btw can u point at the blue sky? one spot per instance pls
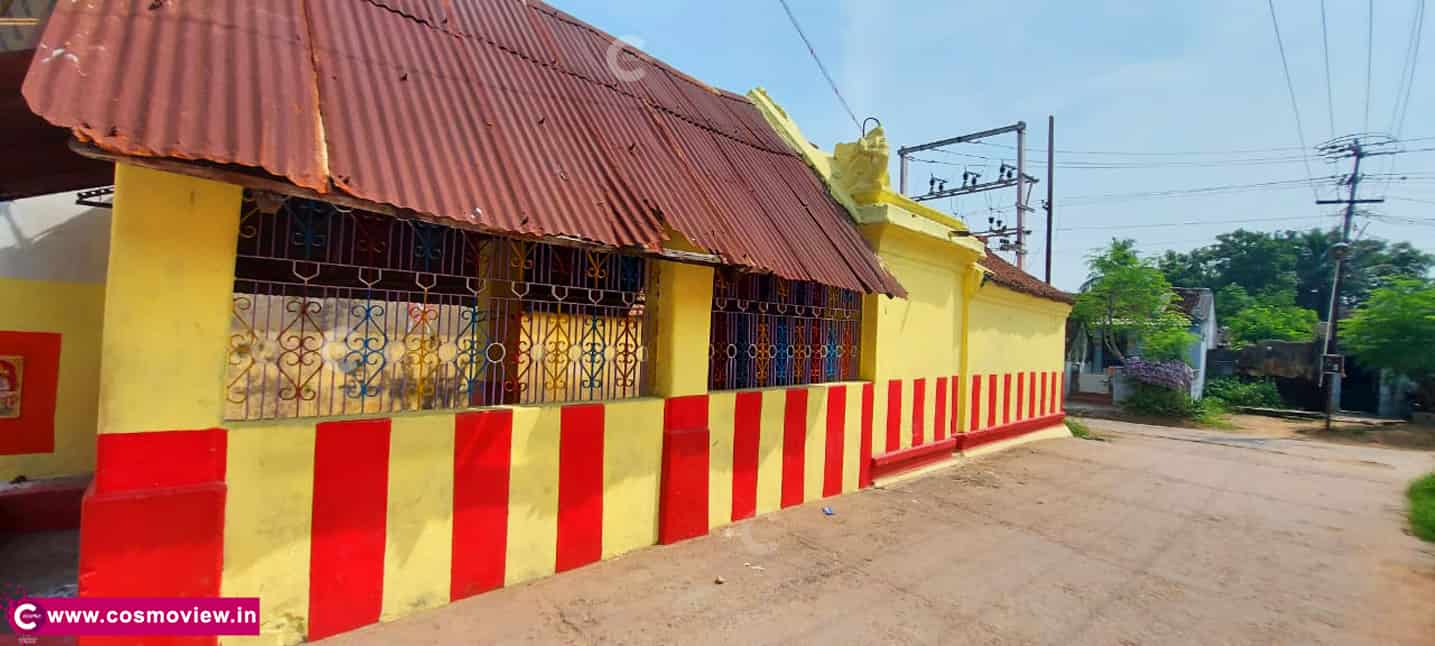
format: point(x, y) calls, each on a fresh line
point(1127, 77)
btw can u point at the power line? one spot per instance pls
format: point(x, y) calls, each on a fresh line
point(1407, 71)
point(1369, 58)
point(1290, 86)
point(1325, 49)
point(820, 66)
point(1163, 153)
point(1139, 153)
point(1216, 163)
point(1187, 223)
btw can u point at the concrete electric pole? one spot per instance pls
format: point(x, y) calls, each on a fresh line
point(1331, 362)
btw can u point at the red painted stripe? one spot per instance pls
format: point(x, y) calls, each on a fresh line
point(919, 413)
point(482, 450)
point(746, 439)
point(346, 557)
point(1031, 395)
point(683, 494)
point(1058, 404)
point(836, 424)
point(1043, 392)
point(864, 454)
point(1020, 395)
point(976, 412)
point(956, 417)
point(939, 424)
point(894, 414)
point(794, 446)
point(991, 400)
point(580, 487)
point(139, 461)
point(1006, 398)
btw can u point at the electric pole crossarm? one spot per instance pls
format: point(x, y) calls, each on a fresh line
point(1363, 201)
point(907, 150)
point(975, 188)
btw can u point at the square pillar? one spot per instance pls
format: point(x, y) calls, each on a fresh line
point(683, 320)
point(167, 301)
point(153, 520)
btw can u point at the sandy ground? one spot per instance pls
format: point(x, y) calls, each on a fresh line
point(1345, 430)
point(1154, 536)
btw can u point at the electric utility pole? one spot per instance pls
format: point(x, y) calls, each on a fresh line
point(1331, 363)
point(1008, 176)
point(1050, 175)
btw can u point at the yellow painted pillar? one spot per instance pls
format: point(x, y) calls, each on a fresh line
point(167, 302)
point(683, 318)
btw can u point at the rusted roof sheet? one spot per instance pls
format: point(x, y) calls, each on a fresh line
point(227, 82)
point(503, 115)
point(1009, 276)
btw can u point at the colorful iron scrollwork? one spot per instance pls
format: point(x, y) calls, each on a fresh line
point(340, 312)
point(767, 331)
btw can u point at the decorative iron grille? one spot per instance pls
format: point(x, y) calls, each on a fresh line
point(767, 331)
point(341, 312)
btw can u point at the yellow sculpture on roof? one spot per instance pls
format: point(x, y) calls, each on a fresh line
point(855, 172)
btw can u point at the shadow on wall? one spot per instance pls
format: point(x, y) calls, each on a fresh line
point(49, 238)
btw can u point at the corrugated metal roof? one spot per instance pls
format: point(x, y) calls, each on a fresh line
point(505, 115)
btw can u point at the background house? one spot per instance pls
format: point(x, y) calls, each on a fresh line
point(1091, 367)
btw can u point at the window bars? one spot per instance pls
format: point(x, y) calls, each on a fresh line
point(767, 331)
point(345, 312)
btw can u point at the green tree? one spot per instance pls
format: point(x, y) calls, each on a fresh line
point(1269, 317)
point(1395, 330)
point(1128, 298)
point(1296, 261)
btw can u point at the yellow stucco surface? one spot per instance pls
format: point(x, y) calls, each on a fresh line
point(267, 514)
point(683, 314)
point(167, 304)
point(533, 494)
point(632, 468)
point(852, 440)
point(419, 534)
point(75, 311)
point(1011, 332)
point(815, 445)
point(769, 450)
point(721, 430)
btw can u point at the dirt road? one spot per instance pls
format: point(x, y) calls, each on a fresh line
point(1156, 536)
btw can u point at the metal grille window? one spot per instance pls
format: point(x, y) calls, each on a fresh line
point(343, 312)
point(767, 331)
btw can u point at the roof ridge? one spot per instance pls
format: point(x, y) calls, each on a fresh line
point(571, 71)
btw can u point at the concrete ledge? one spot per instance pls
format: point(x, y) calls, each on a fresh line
point(42, 505)
point(973, 439)
point(907, 459)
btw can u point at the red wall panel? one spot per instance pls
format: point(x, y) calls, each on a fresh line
point(482, 450)
point(580, 487)
point(346, 559)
